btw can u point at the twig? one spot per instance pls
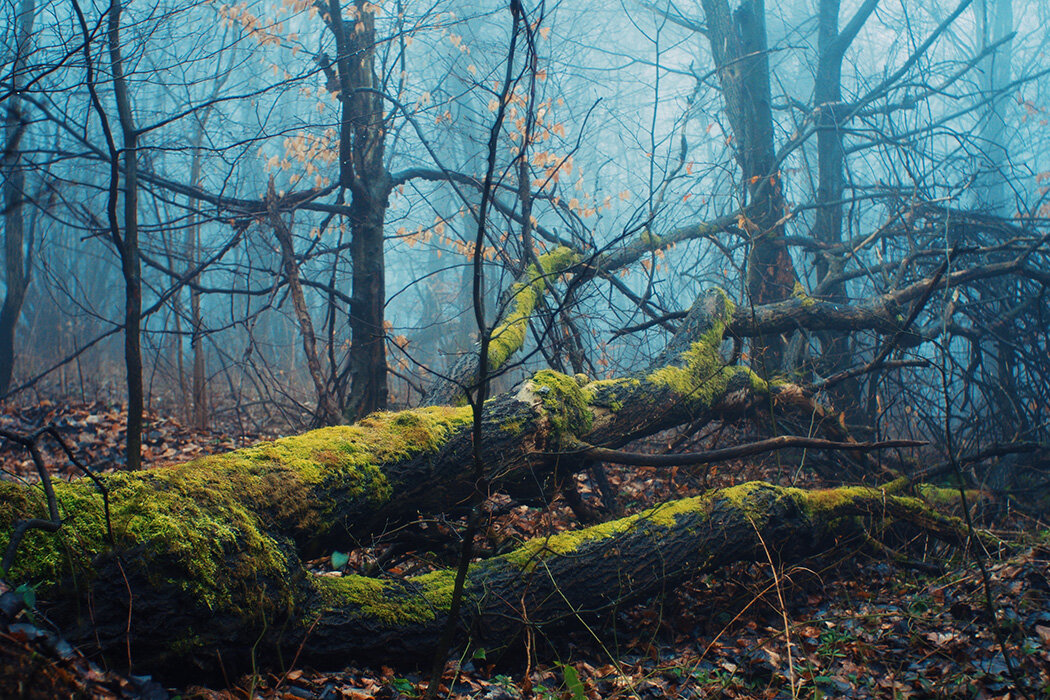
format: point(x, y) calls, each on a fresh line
point(54, 521)
point(780, 442)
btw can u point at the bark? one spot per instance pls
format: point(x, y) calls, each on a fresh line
point(16, 274)
point(362, 140)
point(127, 240)
point(738, 44)
point(143, 601)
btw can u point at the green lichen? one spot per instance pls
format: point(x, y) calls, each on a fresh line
point(566, 403)
point(508, 337)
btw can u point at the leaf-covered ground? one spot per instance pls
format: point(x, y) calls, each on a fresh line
point(858, 623)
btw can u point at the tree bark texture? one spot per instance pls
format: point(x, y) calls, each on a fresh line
point(252, 595)
point(16, 275)
point(362, 138)
point(739, 47)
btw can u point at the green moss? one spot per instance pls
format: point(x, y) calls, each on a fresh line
point(666, 514)
point(825, 502)
point(747, 497)
point(567, 404)
point(650, 240)
point(436, 587)
point(532, 552)
point(946, 496)
point(558, 260)
point(611, 393)
point(188, 643)
point(508, 337)
point(414, 600)
point(799, 292)
point(199, 534)
point(204, 526)
point(701, 374)
point(512, 426)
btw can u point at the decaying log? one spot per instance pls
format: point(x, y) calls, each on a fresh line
point(206, 558)
point(214, 588)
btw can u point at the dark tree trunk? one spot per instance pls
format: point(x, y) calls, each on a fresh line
point(16, 274)
point(831, 116)
point(738, 44)
point(362, 170)
point(128, 244)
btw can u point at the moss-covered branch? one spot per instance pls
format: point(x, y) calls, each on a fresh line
point(337, 485)
point(508, 335)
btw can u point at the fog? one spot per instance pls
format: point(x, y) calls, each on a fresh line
point(806, 150)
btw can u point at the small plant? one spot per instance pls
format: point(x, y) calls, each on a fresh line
point(404, 686)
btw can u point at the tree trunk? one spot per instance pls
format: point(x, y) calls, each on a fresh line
point(995, 23)
point(16, 276)
point(738, 44)
point(362, 139)
point(831, 157)
point(128, 244)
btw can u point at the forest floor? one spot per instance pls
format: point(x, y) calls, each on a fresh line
point(856, 623)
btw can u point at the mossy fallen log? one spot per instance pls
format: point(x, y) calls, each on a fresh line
point(346, 483)
point(190, 587)
point(207, 555)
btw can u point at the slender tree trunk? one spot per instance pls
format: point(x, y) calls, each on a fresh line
point(16, 277)
point(326, 411)
point(995, 21)
point(129, 249)
point(831, 157)
point(361, 170)
point(199, 388)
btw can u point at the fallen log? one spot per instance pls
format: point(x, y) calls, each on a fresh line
point(200, 565)
point(212, 590)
